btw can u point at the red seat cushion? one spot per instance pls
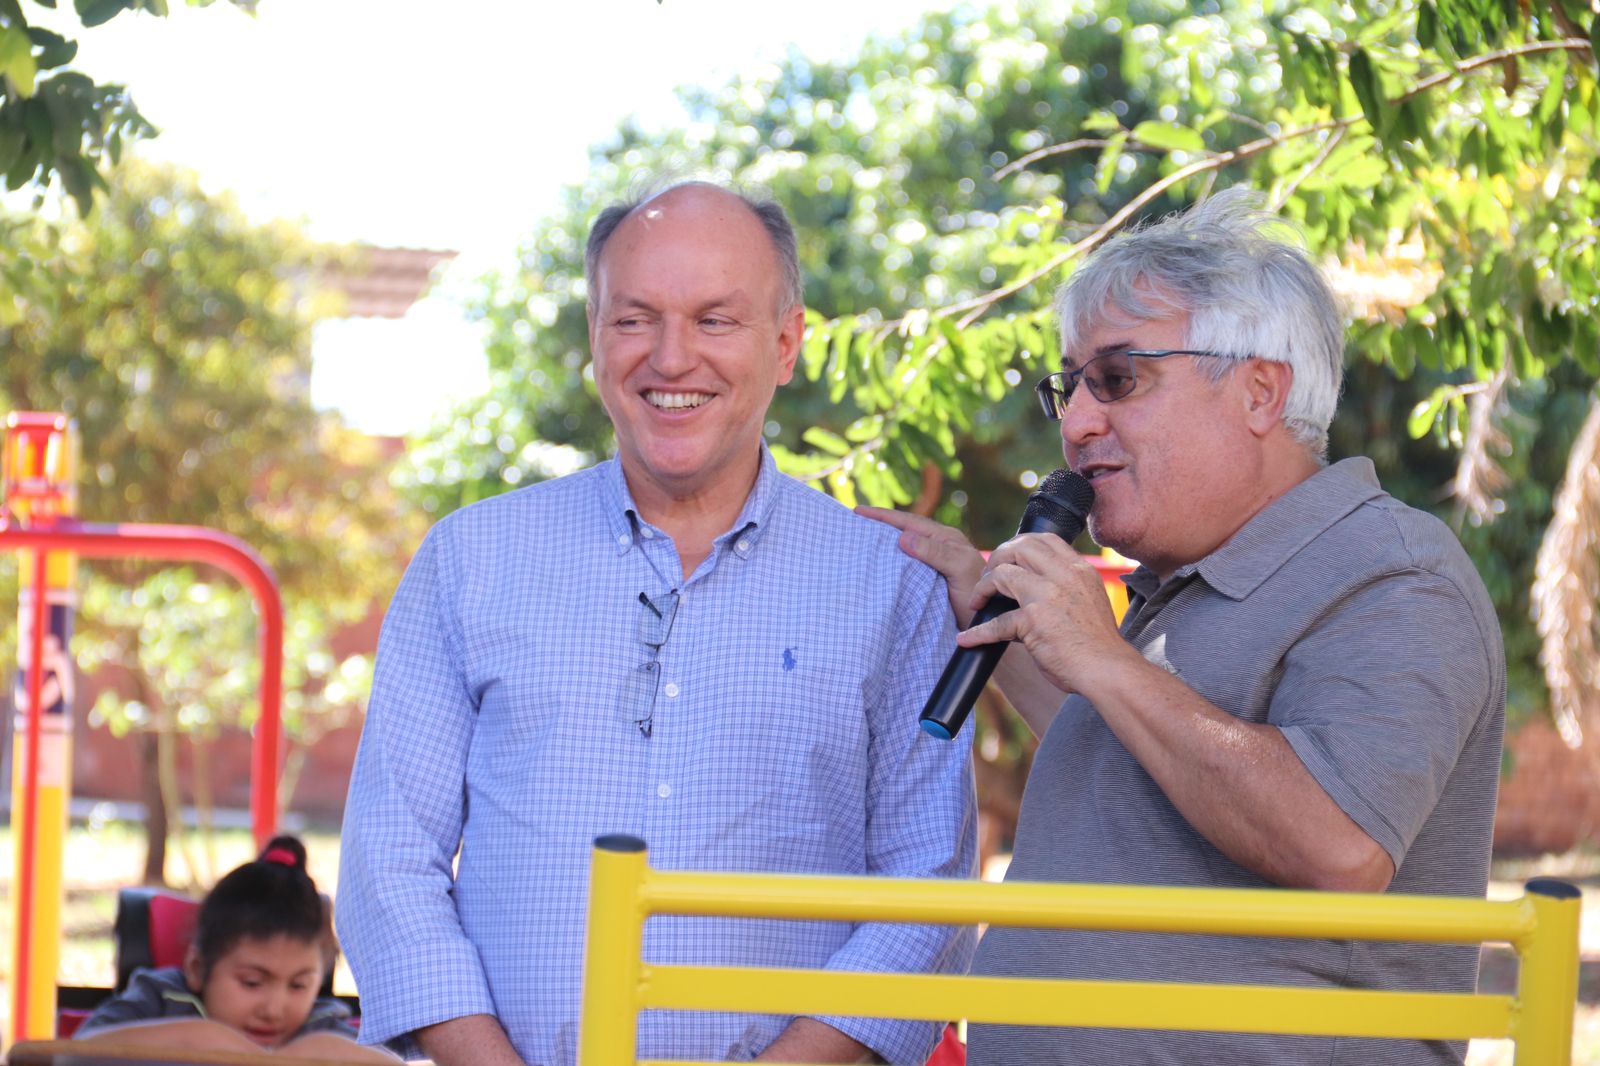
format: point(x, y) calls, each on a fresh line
point(171, 928)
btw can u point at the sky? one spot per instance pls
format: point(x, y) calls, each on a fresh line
point(436, 125)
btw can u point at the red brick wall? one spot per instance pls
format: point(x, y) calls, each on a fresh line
point(1550, 801)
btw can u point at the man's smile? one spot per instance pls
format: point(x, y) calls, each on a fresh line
point(675, 401)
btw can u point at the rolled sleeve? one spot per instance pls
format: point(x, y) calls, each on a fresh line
point(921, 820)
point(396, 912)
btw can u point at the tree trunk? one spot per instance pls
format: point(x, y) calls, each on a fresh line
point(204, 805)
point(155, 809)
point(167, 761)
point(293, 764)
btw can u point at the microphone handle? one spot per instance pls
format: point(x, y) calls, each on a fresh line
point(964, 676)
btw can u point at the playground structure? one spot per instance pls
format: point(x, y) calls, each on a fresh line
point(38, 521)
point(624, 892)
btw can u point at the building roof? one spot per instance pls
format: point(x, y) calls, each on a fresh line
point(385, 282)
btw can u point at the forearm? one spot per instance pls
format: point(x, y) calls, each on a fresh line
point(1239, 784)
point(808, 1040)
point(475, 1040)
point(333, 1047)
point(1026, 688)
point(195, 1034)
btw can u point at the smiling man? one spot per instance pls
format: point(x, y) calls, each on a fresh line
point(680, 644)
point(1308, 688)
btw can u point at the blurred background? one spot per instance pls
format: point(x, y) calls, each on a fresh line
point(310, 273)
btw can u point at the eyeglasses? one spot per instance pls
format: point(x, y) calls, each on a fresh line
point(639, 691)
point(1110, 377)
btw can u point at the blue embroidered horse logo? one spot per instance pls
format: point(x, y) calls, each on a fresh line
point(789, 661)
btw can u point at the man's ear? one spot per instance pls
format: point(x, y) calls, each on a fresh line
point(791, 331)
point(1266, 393)
point(193, 972)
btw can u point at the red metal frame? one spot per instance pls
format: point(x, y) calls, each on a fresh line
point(177, 544)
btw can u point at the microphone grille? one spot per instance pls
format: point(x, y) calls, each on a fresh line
point(1060, 505)
point(1067, 489)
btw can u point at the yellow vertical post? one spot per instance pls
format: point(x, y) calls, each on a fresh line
point(608, 1033)
point(1548, 982)
point(40, 487)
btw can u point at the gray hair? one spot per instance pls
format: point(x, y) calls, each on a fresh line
point(1248, 287)
point(773, 218)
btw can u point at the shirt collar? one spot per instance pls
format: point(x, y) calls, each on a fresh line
point(626, 526)
point(1281, 529)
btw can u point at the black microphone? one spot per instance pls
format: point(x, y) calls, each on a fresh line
point(1060, 506)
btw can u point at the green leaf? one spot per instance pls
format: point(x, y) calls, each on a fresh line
point(1428, 25)
point(54, 49)
point(814, 354)
point(1550, 102)
point(1199, 86)
point(77, 176)
point(1426, 413)
point(99, 12)
point(10, 146)
point(16, 59)
point(826, 441)
point(1169, 136)
point(1369, 91)
point(21, 171)
point(36, 120)
point(1106, 169)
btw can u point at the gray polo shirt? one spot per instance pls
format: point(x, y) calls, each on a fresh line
point(1358, 627)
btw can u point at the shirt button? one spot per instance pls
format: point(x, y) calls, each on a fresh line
point(664, 790)
point(743, 545)
point(648, 534)
point(672, 693)
point(624, 540)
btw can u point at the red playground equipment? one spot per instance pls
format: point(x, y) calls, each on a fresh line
point(39, 494)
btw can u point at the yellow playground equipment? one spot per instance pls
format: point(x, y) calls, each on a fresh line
point(1542, 926)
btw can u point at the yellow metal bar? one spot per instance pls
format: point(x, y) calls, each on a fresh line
point(609, 1026)
point(1131, 908)
point(1107, 1004)
point(1548, 983)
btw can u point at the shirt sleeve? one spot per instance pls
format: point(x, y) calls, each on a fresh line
point(397, 919)
point(921, 817)
point(141, 1001)
point(1379, 699)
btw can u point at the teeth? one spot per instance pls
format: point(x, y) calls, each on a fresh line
point(675, 401)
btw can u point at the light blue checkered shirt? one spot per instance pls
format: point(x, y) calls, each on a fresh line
point(784, 738)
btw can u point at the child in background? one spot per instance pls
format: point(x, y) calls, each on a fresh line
point(262, 946)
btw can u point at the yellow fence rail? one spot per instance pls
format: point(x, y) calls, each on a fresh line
point(1542, 926)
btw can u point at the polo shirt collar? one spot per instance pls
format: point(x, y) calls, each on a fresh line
point(1284, 526)
point(626, 526)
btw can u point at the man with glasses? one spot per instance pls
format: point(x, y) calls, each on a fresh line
point(681, 644)
point(1308, 687)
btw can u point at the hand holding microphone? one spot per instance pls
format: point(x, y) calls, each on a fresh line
point(1060, 506)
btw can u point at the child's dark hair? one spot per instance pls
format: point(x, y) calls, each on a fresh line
point(271, 896)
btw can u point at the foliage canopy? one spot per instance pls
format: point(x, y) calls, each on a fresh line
point(1438, 154)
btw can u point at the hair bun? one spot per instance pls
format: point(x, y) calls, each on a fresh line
point(285, 850)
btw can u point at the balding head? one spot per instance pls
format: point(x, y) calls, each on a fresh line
point(771, 215)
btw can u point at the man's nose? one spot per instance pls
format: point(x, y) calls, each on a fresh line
point(673, 353)
point(1083, 420)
